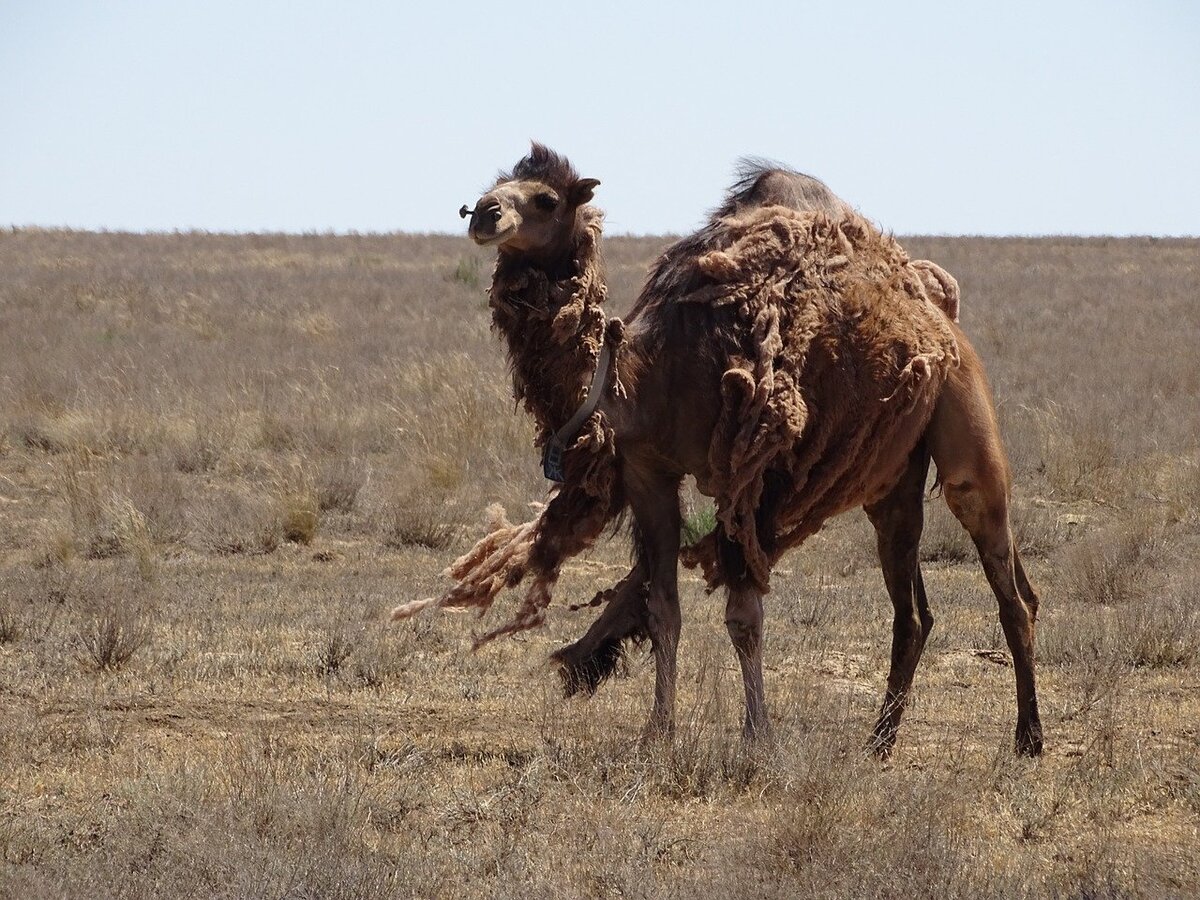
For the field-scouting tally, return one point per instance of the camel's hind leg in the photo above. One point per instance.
(965, 442)
(898, 519)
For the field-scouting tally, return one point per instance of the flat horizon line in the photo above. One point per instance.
(11, 228)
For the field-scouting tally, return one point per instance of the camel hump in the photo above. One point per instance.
(940, 286)
(764, 183)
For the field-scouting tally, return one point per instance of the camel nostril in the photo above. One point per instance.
(494, 214)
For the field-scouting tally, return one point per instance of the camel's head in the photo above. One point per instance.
(531, 209)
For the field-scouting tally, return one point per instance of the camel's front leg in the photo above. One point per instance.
(654, 499)
(744, 621)
(585, 664)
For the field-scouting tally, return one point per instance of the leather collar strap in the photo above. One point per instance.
(552, 455)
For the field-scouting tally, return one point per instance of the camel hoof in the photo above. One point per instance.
(1029, 741)
(882, 742)
(758, 734)
(585, 672)
(657, 734)
(881, 750)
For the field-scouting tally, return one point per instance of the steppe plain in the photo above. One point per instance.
(223, 458)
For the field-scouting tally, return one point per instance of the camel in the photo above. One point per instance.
(788, 356)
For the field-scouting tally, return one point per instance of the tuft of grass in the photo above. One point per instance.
(1079, 459)
(467, 271)
(422, 519)
(944, 539)
(200, 447)
(55, 545)
(812, 603)
(298, 503)
(1152, 623)
(299, 519)
(113, 631)
(444, 472)
(371, 664)
(1163, 631)
(11, 626)
(697, 524)
(335, 647)
(1115, 565)
(338, 483)
(156, 491)
(276, 433)
(102, 520)
(234, 521)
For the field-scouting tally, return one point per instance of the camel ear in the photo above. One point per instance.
(581, 191)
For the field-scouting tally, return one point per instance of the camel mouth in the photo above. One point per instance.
(495, 238)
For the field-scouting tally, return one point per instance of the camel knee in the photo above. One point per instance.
(664, 619)
(926, 623)
(744, 619)
(908, 630)
(745, 635)
(912, 625)
(1031, 601)
(1015, 614)
(1028, 594)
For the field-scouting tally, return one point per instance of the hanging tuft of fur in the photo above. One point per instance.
(501, 558)
(940, 286)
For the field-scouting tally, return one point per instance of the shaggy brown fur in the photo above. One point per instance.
(793, 360)
(797, 295)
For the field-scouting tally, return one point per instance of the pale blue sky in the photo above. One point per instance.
(931, 117)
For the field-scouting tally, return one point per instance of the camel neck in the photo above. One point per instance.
(552, 318)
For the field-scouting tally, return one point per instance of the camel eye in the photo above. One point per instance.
(545, 202)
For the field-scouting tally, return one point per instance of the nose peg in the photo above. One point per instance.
(464, 211)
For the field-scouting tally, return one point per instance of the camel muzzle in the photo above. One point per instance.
(490, 211)
(484, 219)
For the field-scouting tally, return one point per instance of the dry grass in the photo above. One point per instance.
(11, 627)
(427, 518)
(115, 627)
(223, 458)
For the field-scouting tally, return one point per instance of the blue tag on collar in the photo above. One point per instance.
(552, 460)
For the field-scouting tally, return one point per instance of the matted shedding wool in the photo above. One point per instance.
(840, 356)
(837, 348)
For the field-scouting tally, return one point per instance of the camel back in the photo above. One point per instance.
(834, 355)
(761, 184)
